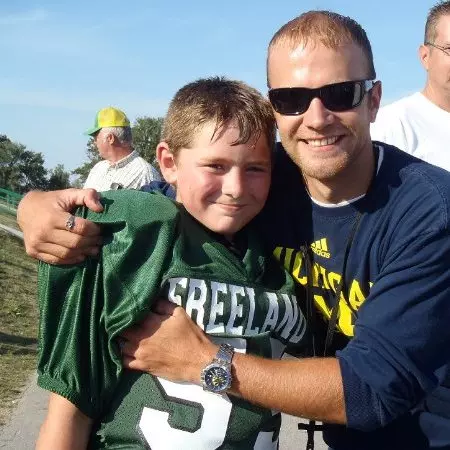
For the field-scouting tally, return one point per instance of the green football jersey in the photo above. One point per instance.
(153, 248)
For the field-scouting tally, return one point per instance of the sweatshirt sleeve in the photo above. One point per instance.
(84, 307)
(402, 334)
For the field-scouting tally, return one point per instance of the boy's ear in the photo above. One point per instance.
(167, 162)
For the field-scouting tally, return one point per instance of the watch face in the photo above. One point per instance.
(216, 378)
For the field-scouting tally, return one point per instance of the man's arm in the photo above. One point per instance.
(65, 426)
(42, 216)
(395, 359)
(169, 344)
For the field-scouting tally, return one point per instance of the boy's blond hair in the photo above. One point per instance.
(222, 102)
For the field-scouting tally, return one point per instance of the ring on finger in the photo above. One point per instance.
(70, 222)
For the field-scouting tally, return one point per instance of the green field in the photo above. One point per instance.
(18, 317)
(8, 217)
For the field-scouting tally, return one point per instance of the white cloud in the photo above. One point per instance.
(34, 15)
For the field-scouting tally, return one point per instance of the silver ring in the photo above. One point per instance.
(70, 223)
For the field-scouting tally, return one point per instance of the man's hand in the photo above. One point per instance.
(42, 216)
(168, 344)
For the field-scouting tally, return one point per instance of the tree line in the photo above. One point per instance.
(22, 170)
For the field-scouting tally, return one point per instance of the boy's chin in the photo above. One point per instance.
(227, 228)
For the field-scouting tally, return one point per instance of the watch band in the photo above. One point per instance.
(225, 353)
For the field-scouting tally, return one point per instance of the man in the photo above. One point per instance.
(420, 123)
(364, 227)
(121, 167)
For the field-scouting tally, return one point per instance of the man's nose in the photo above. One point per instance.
(317, 116)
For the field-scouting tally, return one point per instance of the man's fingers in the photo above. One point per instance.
(70, 198)
(131, 363)
(128, 348)
(81, 227)
(92, 200)
(164, 307)
(65, 242)
(142, 330)
(52, 259)
(57, 254)
(132, 334)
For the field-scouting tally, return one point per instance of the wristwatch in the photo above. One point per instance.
(216, 376)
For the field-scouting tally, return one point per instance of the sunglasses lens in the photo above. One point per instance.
(290, 101)
(335, 97)
(341, 96)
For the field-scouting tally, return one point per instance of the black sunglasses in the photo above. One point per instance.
(292, 101)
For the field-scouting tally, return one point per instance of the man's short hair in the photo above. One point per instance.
(123, 134)
(435, 13)
(222, 102)
(328, 28)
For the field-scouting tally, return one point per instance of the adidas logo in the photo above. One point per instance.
(320, 248)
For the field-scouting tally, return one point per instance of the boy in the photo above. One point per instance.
(216, 149)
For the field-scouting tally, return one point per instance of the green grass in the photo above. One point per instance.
(18, 319)
(8, 217)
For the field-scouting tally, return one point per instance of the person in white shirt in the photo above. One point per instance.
(121, 167)
(420, 123)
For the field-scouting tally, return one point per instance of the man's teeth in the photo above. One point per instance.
(322, 142)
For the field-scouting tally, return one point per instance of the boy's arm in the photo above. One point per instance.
(65, 426)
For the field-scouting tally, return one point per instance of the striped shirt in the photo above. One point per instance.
(131, 172)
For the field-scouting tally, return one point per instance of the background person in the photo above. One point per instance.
(420, 123)
(122, 167)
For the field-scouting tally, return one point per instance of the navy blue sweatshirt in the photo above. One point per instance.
(393, 343)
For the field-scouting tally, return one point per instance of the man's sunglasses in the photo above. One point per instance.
(292, 101)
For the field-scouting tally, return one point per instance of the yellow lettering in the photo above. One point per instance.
(288, 258)
(315, 280)
(355, 296)
(345, 318)
(296, 269)
(277, 253)
(323, 274)
(320, 302)
(334, 279)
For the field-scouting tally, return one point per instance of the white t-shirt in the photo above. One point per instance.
(416, 125)
(131, 172)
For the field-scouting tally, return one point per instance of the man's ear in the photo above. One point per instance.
(110, 138)
(424, 55)
(167, 162)
(375, 100)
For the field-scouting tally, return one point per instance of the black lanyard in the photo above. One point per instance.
(342, 284)
(311, 426)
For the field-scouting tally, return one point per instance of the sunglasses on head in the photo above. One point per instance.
(292, 101)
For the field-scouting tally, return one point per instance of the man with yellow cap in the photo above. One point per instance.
(121, 166)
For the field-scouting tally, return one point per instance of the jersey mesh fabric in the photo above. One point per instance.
(154, 248)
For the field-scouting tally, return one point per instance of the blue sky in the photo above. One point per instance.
(62, 61)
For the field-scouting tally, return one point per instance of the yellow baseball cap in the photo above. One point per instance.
(108, 117)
